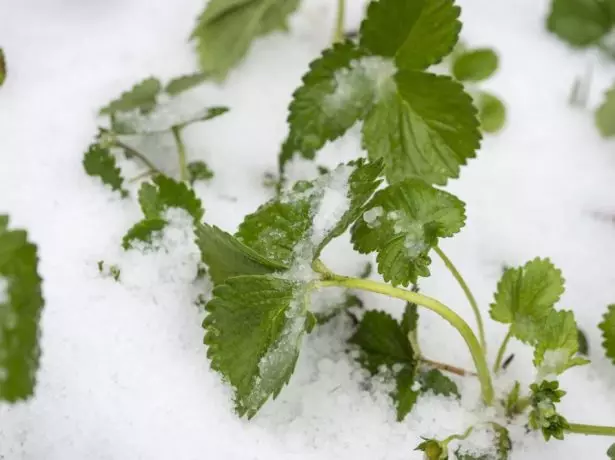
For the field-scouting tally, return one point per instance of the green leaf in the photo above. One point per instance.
(426, 129)
(415, 33)
(167, 193)
(204, 115)
(410, 318)
(607, 326)
(433, 449)
(611, 452)
(503, 444)
(98, 162)
(144, 231)
(402, 223)
(2, 67)
(277, 228)
(337, 91)
(525, 297)
(544, 414)
(184, 83)
(253, 331)
(21, 303)
(198, 170)
(226, 28)
(227, 257)
(580, 22)
(439, 384)
(583, 343)
(142, 97)
(605, 115)
(491, 112)
(475, 65)
(405, 396)
(514, 404)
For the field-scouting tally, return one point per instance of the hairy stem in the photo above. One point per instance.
(338, 33)
(181, 153)
(591, 429)
(501, 352)
(447, 367)
(432, 304)
(468, 293)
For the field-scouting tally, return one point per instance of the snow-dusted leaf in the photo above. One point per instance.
(226, 28)
(525, 297)
(437, 383)
(143, 97)
(198, 170)
(581, 22)
(433, 449)
(184, 83)
(337, 91)
(253, 331)
(491, 112)
(415, 33)
(228, 257)
(503, 444)
(402, 223)
(2, 67)
(167, 193)
(475, 65)
(21, 303)
(557, 344)
(405, 395)
(605, 114)
(544, 414)
(144, 231)
(427, 128)
(99, 162)
(607, 326)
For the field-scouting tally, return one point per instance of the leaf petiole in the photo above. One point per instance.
(596, 430)
(338, 33)
(181, 153)
(501, 352)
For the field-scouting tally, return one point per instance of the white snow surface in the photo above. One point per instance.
(124, 373)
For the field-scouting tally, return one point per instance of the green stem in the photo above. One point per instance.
(338, 35)
(131, 151)
(501, 352)
(591, 429)
(181, 153)
(449, 315)
(468, 293)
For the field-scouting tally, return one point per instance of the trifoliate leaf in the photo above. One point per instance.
(167, 193)
(611, 452)
(605, 115)
(475, 65)
(403, 223)
(254, 330)
(491, 112)
(607, 326)
(142, 97)
(99, 162)
(226, 28)
(21, 303)
(544, 414)
(433, 449)
(427, 128)
(557, 344)
(198, 170)
(437, 383)
(227, 257)
(184, 83)
(337, 91)
(144, 231)
(416, 33)
(580, 22)
(2, 67)
(312, 213)
(525, 297)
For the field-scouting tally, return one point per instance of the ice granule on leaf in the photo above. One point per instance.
(371, 216)
(4, 290)
(367, 78)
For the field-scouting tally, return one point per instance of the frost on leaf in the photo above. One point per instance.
(607, 326)
(226, 29)
(142, 97)
(415, 215)
(99, 162)
(254, 330)
(21, 303)
(416, 33)
(426, 129)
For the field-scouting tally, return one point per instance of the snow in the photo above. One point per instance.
(372, 216)
(124, 372)
(4, 289)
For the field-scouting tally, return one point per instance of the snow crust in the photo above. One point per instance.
(124, 372)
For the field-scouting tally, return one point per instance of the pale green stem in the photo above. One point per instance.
(591, 429)
(338, 35)
(501, 352)
(468, 293)
(449, 315)
(181, 153)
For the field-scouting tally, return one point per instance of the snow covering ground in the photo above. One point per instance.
(124, 373)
